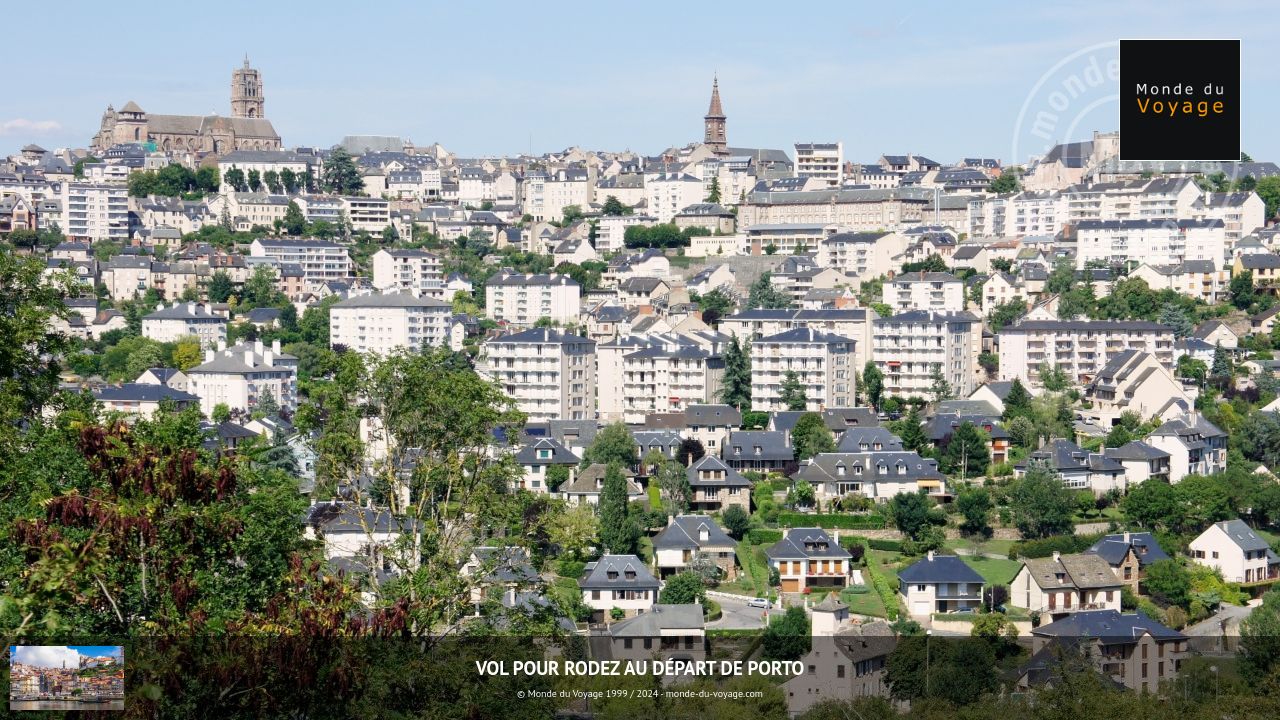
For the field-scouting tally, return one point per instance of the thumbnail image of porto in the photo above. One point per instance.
(66, 677)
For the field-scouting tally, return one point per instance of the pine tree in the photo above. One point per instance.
(713, 196)
(1018, 402)
(735, 386)
(618, 532)
(792, 393)
(1174, 317)
(940, 389)
(340, 173)
(764, 295)
(872, 384)
(1221, 362)
(295, 223)
(911, 432)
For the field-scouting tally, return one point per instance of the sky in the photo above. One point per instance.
(54, 656)
(945, 80)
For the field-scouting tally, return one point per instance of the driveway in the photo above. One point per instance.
(1218, 634)
(735, 615)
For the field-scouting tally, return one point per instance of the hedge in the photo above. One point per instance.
(764, 536)
(888, 595)
(1045, 547)
(570, 568)
(829, 521)
(885, 545)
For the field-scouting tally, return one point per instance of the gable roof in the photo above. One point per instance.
(802, 543)
(732, 478)
(560, 455)
(1109, 625)
(939, 569)
(1242, 535)
(661, 617)
(1113, 548)
(684, 530)
(1082, 571)
(596, 574)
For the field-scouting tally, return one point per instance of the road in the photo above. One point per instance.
(735, 615)
(1207, 636)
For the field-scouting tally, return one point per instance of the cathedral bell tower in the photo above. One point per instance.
(714, 123)
(246, 92)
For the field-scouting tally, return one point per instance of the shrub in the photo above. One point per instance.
(831, 522)
(617, 613)
(570, 568)
(763, 536)
(1045, 547)
(885, 545)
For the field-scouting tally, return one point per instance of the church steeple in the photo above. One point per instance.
(247, 100)
(714, 122)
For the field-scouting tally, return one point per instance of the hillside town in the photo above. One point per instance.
(944, 431)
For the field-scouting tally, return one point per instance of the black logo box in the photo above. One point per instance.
(1185, 68)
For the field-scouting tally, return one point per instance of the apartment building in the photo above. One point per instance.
(412, 271)
(1130, 649)
(384, 323)
(241, 377)
(824, 161)
(1133, 381)
(546, 195)
(1160, 242)
(669, 375)
(1153, 199)
(1017, 214)
(169, 324)
(862, 254)
(853, 323)
(1080, 348)
(1199, 279)
(523, 299)
(370, 214)
(95, 211)
(551, 374)
(912, 347)
(932, 291)
(611, 230)
(666, 194)
(822, 362)
(849, 209)
(320, 260)
(1195, 446)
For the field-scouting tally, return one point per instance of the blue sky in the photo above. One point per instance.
(945, 80)
(56, 656)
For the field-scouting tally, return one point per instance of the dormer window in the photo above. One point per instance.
(544, 454)
(757, 449)
(631, 574)
(881, 470)
(902, 469)
(840, 469)
(857, 469)
(613, 574)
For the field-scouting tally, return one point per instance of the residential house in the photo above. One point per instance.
(1141, 462)
(1195, 446)
(1131, 650)
(538, 457)
(141, 399)
(1129, 554)
(363, 540)
(1065, 583)
(1235, 550)
(846, 659)
(939, 584)
(1265, 268)
(940, 427)
(874, 475)
(1078, 468)
(1133, 381)
(809, 558)
(588, 486)
(686, 536)
(169, 377)
(663, 634)
(502, 571)
(716, 486)
(712, 424)
(763, 451)
(618, 581)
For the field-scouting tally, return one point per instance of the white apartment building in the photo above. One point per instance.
(241, 377)
(1156, 199)
(613, 401)
(666, 194)
(320, 260)
(933, 291)
(522, 299)
(321, 208)
(669, 375)
(1018, 214)
(388, 322)
(862, 254)
(611, 230)
(413, 271)
(1241, 213)
(1159, 242)
(849, 209)
(546, 195)
(265, 161)
(1080, 348)
(95, 211)
(824, 161)
(910, 347)
(367, 213)
(550, 374)
(822, 362)
(169, 324)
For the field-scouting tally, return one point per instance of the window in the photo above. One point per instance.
(595, 594)
(626, 643)
(840, 671)
(921, 588)
(1215, 554)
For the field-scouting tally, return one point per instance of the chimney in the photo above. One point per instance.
(268, 358)
(835, 536)
(930, 554)
(159, 306)
(671, 520)
(1126, 537)
(248, 358)
(1057, 556)
(222, 345)
(208, 356)
(257, 346)
(275, 346)
(191, 308)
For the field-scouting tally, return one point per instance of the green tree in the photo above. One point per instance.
(29, 347)
(574, 531)
(1241, 288)
(1260, 642)
(1018, 402)
(684, 588)
(1152, 504)
(1268, 188)
(810, 436)
(1258, 438)
(1006, 314)
(295, 223)
(619, 533)
(714, 305)
(787, 637)
(236, 179)
(801, 494)
(260, 289)
(613, 444)
(736, 521)
(1173, 316)
(289, 181)
(1169, 582)
(254, 180)
(872, 384)
(911, 431)
(764, 295)
(792, 393)
(1006, 183)
(735, 384)
(1041, 504)
(713, 194)
(966, 452)
(975, 507)
(221, 413)
(271, 179)
(1221, 367)
(910, 513)
(614, 206)
(187, 354)
(673, 481)
(340, 175)
(1023, 433)
(939, 388)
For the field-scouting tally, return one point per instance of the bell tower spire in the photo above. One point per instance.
(714, 122)
(247, 100)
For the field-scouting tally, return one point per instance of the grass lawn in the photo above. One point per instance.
(682, 261)
(566, 589)
(655, 497)
(753, 573)
(1111, 513)
(995, 546)
(994, 571)
(646, 549)
(864, 603)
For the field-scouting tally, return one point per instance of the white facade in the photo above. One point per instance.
(243, 376)
(909, 348)
(550, 374)
(1160, 242)
(169, 324)
(1080, 348)
(524, 299)
(932, 291)
(824, 161)
(320, 260)
(1236, 551)
(822, 362)
(95, 211)
(666, 194)
(385, 323)
(413, 271)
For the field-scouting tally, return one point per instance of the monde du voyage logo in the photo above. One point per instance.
(1180, 100)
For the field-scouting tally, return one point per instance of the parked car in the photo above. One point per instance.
(762, 603)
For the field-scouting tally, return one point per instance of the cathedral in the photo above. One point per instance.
(246, 129)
